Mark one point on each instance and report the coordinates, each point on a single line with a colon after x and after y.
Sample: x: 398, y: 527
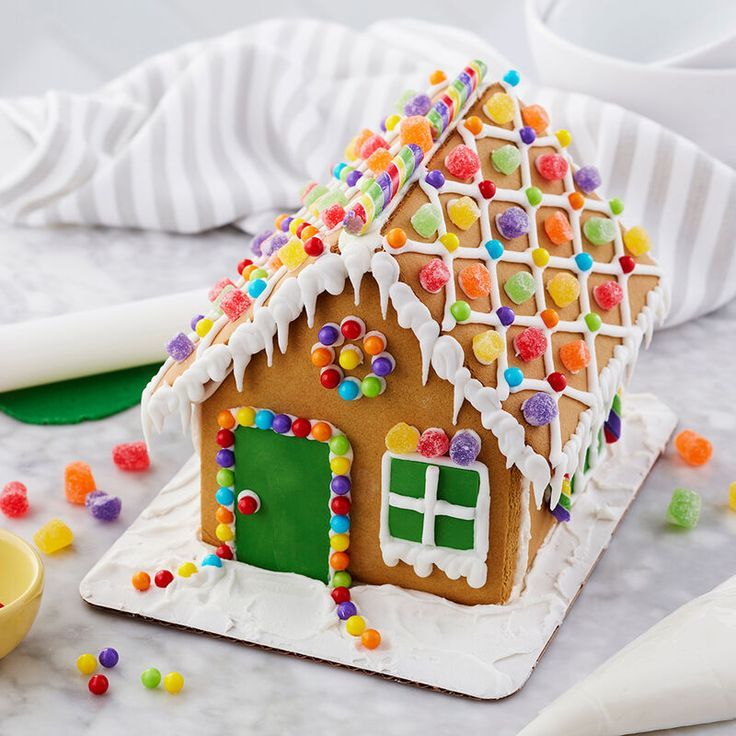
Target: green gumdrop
x: 520, y: 287
x: 460, y: 310
x: 506, y: 159
x: 616, y: 205
x: 339, y: 444
x: 371, y: 386
x: 684, y: 508
x: 534, y: 196
x: 426, y: 220
x: 315, y: 193
x: 336, y: 196
x: 406, y: 95
x: 151, y: 678
x: 593, y: 321
x: 599, y: 230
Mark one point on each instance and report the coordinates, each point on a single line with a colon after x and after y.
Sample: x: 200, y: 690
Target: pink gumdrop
x: 608, y: 295
x: 434, y: 275
x: 433, y: 443
x: 462, y: 162
x: 14, y: 504
x: 551, y: 166
x: 132, y: 456
x: 530, y: 344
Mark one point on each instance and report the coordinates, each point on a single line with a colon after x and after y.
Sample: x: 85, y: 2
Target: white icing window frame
x: 470, y: 564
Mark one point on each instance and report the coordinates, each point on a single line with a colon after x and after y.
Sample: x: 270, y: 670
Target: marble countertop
x: 649, y: 570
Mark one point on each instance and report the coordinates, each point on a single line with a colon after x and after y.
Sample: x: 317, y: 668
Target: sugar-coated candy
x: 599, y: 230
x: 218, y: 288
x: 530, y: 344
x: 98, y: 684
x: 563, y: 137
x: 435, y: 178
x: 460, y: 310
x: 513, y: 376
x: 584, y: 261
x: 173, y: 682
x: 86, y: 663
x: 274, y: 244
x: 575, y: 356
x: 520, y: 287
x: 371, y: 144
x: 332, y: 216
x: 587, y: 179
x: 463, y: 211
x: 465, y: 447
x: 433, y: 442
x: 505, y: 316
x: 564, y: 289
x: 78, y: 482
x: 109, y: 657
x: 475, y: 280
x: 426, y: 220
x: 292, y: 255
x: 258, y: 240
x: 370, y: 639
x: 163, y: 578
x: 14, y: 503
x: 416, y: 129
x: 53, y: 536
x: 418, y: 105
x: 557, y: 381
x: 494, y: 248
x: 533, y: 196
x: 132, y: 456
x: 636, y: 240
x: 487, y: 346
x: 180, y: 347
x: 593, y: 321
x: 550, y: 318
x: 608, y: 295
x: 151, y: 678
x: 539, y: 409
x: 536, y: 117
x: 396, y: 238
x: 487, y: 189
x: 141, y: 580
x: 14, y: 486
x: 558, y: 228
x: 103, y: 506
x: 506, y: 159
x: 450, y: 241
x: 433, y: 275
x: 693, y: 448
x: 551, y: 166
x: 353, y: 149
x: 402, y: 438
x: 236, y: 303
x: 378, y: 161
x: 540, y: 256
x: 500, y: 108
x: 684, y: 508
x: 512, y: 223
x: 528, y: 135
x: 462, y: 162
x: 437, y: 77
x: 474, y: 124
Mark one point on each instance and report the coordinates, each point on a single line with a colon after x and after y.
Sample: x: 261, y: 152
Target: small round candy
x: 355, y: 625
x: 346, y: 610
x: 557, y: 381
x: 225, y: 458
x: 339, y: 444
x: 349, y: 389
x: 550, y: 318
x: 225, y: 438
x: 539, y: 410
x: 109, y: 657
x: 340, y: 595
x: 513, y: 377
x: 460, y: 310
x: 396, y: 238
x: 340, y: 485
x: 163, y: 578
x: 494, y: 249
x: 474, y: 124
x: 450, y: 241
x: 383, y: 365
x: 247, y: 505
x: 245, y: 416
x: 98, y: 684
x: 322, y: 357
x: 505, y: 316
x: 264, y: 419
x: 329, y: 334
x: 339, y: 542
x: 187, y: 569
x: 340, y: 465
x: 321, y: 431
x: 314, y: 247
x: 340, y: 505
x: 487, y: 190
x: 465, y: 447
x: 203, y: 326
x: 350, y: 357
x: 370, y: 639
x: 435, y: 178
x: 224, y: 552
x: 584, y: 261
x: 86, y: 663
x: 281, y: 423
x: 352, y: 328
x: 151, y: 678
x: 224, y: 516
x: 225, y: 419
x: 576, y: 200
x: 372, y: 386
x: 627, y: 264
x: 340, y: 524
x: 339, y: 560
x: 256, y: 288
x: 141, y: 581
x: 301, y: 427
x: 342, y: 579
x: 528, y: 135
x: 211, y: 561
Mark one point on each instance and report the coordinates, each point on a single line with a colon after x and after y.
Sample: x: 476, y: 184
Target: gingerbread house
x: 411, y: 379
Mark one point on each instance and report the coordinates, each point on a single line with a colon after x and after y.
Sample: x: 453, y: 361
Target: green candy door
x: 291, y: 477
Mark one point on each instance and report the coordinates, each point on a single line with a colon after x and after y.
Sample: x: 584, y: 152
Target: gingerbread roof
x: 523, y: 289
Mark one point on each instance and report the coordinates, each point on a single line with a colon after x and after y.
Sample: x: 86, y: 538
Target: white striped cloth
x: 225, y: 131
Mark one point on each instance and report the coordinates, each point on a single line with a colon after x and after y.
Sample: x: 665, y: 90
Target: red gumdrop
x: 434, y: 442
x: 340, y: 505
x: 333, y: 215
x: 487, y: 189
x: 224, y: 552
x: 14, y: 485
x: 551, y: 166
x: 434, y: 275
x: 530, y: 344
x: 340, y: 595
x: 132, y: 456
x: 301, y: 427
x: 557, y: 381
x: 608, y: 295
x: 462, y: 162
x: 225, y: 438
x: 14, y: 504
x: 163, y: 578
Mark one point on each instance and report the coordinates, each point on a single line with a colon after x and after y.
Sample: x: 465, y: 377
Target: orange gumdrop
x: 416, y: 129
x: 475, y: 281
x: 474, y: 124
x: 321, y: 357
x: 370, y: 639
x: 78, y: 482
x: 558, y: 228
x: 575, y: 356
x: 321, y: 431
x: 225, y: 419
x: 535, y: 116
x: 378, y: 160
x: 396, y: 237
x: 339, y: 560
x: 141, y: 581
x: 576, y: 200
x: 359, y: 140
x: 693, y: 448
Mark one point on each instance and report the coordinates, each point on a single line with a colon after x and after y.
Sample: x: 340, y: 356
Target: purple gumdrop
x: 418, y: 105
x: 106, y: 508
x: 528, y: 135
x: 90, y: 498
x: 281, y: 423
x: 353, y: 178
x: 505, y: 316
x: 272, y: 245
x: 435, y: 178
x: 180, y: 347
x: 587, y: 179
x: 195, y: 319
x: 225, y: 458
x: 539, y: 410
x: 340, y: 485
x: 465, y: 447
x: 257, y: 242
x: 285, y: 224
x: 382, y: 366
x: 346, y: 610
x: 328, y: 335
x: 512, y: 223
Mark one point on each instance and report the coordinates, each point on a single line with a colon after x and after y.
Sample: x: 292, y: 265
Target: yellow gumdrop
x: 292, y: 254
x: 223, y: 532
x: 487, y: 346
x: 340, y: 465
x: 402, y: 438
x: 350, y: 357
x: 500, y: 108
x: 540, y: 256
x: 355, y: 625
x: 450, y: 241
x: 339, y: 542
x: 203, y: 326
x: 564, y: 289
x: 463, y: 212
x: 636, y: 240
x: 246, y: 416
x: 187, y: 569
x: 563, y: 137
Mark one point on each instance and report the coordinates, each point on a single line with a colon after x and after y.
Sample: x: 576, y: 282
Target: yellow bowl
x: 21, y: 585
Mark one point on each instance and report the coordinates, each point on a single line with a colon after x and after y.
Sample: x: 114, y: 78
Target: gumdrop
x: 235, y: 304
x: 599, y: 230
x: 332, y: 216
x: 418, y: 105
x: 78, y: 482
x: 520, y: 287
x: 587, y: 179
x: 433, y: 443
x: 14, y: 486
x: 475, y: 281
x: 334, y: 196
x: 274, y: 244
x: 462, y: 162
x: 506, y: 159
x: 292, y: 255
x: 257, y: 242
x: 684, y: 508
x: 131, y: 456
x: 575, y: 356
x: 465, y: 447
x: 103, y: 506
x: 539, y: 409
x: 500, y: 108
x: 637, y: 241
x: 434, y: 275
x: 416, y: 129
x: 180, y: 347
x: 558, y: 228
x: 404, y: 97
x: 487, y: 346
x: 14, y: 503
x: 379, y: 160
x: 608, y: 295
x: 564, y: 289
x: 512, y: 223
x: 426, y: 220
x: 463, y: 212
x: 530, y: 344
x: 371, y: 144
x: 535, y: 116
x: 402, y: 438
x: 693, y: 448
x: 551, y: 166
x: 218, y: 288
x: 53, y: 536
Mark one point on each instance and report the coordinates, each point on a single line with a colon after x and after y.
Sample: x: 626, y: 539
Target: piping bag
x: 681, y: 672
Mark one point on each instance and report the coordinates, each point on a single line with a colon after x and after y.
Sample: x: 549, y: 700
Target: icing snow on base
x: 482, y: 651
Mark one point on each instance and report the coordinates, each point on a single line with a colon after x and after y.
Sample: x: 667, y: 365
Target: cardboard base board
x: 485, y: 652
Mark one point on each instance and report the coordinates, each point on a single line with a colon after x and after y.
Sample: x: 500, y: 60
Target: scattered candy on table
x: 53, y: 536
x: 109, y: 657
x: 141, y: 581
x: 86, y: 663
x: 132, y: 456
x: 103, y: 506
x: 14, y: 500
x: 98, y: 684
x: 693, y: 448
x: 78, y: 482
x: 173, y: 682
x: 151, y: 678
x: 684, y: 508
